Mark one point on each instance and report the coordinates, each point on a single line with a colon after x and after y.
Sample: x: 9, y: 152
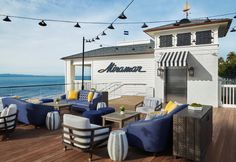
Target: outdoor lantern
x: 160, y: 71
x: 191, y: 71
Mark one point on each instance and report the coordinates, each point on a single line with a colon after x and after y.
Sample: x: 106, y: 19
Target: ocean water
x: 33, y: 86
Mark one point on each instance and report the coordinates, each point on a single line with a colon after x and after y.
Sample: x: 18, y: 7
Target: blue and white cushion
x: 101, y: 105
x: 53, y: 120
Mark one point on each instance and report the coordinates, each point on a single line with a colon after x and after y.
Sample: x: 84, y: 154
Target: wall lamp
x: 191, y: 71
x: 160, y: 71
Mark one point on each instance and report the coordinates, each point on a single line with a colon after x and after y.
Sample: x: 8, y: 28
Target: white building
x: 181, y: 63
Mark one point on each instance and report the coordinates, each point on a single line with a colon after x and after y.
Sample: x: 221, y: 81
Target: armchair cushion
x: 145, y: 110
x: 12, y: 109
x: 78, y: 122
x: 151, y: 102
x: 152, y: 135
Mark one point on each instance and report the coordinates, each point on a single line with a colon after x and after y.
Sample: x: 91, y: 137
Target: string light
x: 42, y: 23
x: 144, y: 25
x: 111, y: 27
x: 233, y: 29
x: 7, y: 19
x: 121, y: 16
x: 77, y: 25
x: 103, y: 33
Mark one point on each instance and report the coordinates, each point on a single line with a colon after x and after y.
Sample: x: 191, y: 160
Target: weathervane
x: 186, y: 9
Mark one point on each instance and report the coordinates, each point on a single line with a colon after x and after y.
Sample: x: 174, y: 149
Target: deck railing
x: 37, y: 91
x: 114, y: 89
x: 228, y: 95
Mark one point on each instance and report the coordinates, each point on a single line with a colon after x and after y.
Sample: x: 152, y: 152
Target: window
x: 203, y: 37
x: 166, y: 41
x: 184, y: 39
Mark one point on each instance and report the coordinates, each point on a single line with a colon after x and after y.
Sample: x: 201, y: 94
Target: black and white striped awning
x: 169, y: 59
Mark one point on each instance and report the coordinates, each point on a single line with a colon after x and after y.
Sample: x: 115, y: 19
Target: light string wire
x: 102, y: 23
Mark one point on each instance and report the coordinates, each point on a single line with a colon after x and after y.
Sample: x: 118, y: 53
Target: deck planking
x: 39, y: 145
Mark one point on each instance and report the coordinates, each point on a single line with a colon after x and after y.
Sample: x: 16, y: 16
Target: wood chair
x: 79, y: 134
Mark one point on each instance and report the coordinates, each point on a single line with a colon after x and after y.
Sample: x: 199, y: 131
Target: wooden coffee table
x: 58, y: 106
x: 120, y: 118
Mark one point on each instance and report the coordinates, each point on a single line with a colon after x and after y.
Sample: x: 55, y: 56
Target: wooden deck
x: 29, y: 144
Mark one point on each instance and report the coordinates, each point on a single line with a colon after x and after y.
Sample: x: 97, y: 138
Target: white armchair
x: 78, y: 133
x: 148, y: 105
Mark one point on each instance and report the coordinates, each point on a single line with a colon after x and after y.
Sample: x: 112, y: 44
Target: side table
x: 117, y: 145
x: 192, y: 133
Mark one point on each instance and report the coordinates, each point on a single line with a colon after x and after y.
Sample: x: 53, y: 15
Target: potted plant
x: 57, y: 100
x: 93, y: 89
x: 195, y: 106
x: 122, y: 109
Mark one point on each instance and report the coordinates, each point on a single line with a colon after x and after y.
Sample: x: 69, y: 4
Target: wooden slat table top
x: 57, y: 105
x: 119, y: 117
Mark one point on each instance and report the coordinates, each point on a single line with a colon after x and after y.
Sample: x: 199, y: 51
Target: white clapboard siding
x: 102, y: 80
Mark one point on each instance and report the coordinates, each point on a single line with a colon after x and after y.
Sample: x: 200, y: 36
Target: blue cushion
x: 46, y: 100
x: 94, y: 116
x: 106, y: 110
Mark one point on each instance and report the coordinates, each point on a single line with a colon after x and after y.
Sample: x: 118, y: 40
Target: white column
x: 193, y: 38
x: 70, y: 75
x: 215, y: 36
x: 174, y: 40
x: 157, y: 42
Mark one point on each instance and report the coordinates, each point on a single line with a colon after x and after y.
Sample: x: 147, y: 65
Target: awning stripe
x: 169, y: 59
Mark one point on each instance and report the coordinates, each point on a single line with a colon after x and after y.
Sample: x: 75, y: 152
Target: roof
x: 136, y: 49
x: 194, y: 22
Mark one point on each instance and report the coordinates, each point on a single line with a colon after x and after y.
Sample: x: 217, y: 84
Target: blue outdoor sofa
x: 82, y: 103
x: 29, y: 113
x: 152, y: 135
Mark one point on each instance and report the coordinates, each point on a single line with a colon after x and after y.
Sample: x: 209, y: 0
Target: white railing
x: 118, y: 89
x: 228, y: 95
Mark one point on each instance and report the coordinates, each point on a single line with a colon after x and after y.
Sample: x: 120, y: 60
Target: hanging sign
x: 122, y: 69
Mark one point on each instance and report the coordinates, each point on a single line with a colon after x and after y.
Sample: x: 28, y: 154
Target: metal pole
x: 82, y: 87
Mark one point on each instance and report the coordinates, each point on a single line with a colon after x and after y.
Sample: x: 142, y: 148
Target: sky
x: 27, y: 48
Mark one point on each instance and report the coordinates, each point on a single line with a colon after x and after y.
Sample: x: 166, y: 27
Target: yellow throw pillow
x: 73, y: 95
x: 90, y: 96
x: 170, y: 106
x: 163, y: 112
